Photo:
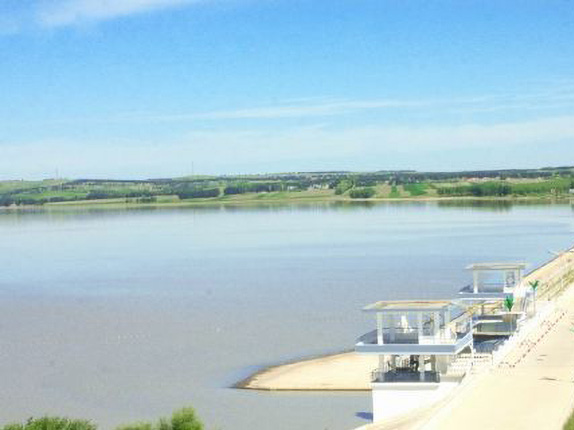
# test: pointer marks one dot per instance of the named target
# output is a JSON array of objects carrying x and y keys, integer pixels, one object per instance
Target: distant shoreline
[{"x": 121, "y": 203}]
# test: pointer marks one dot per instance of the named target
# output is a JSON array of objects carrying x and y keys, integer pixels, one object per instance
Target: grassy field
[
  {"x": 12, "y": 186},
  {"x": 416, "y": 190}
]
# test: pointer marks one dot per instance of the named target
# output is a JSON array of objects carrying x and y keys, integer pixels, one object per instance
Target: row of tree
[
  {"x": 498, "y": 188},
  {"x": 253, "y": 187},
  {"x": 183, "y": 419}
]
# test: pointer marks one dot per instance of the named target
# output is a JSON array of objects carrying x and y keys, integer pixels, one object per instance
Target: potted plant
[
  {"x": 509, "y": 304},
  {"x": 534, "y": 285}
]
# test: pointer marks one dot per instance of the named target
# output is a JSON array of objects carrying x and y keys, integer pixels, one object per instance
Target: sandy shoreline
[{"x": 346, "y": 371}]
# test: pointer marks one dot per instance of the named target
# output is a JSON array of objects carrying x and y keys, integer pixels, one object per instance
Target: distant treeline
[
  {"x": 546, "y": 181},
  {"x": 498, "y": 188}
]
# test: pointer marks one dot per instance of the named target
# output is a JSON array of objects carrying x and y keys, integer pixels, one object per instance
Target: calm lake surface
[{"x": 126, "y": 315}]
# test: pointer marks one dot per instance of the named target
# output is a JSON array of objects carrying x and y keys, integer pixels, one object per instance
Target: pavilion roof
[
  {"x": 497, "y": 266},
  {"x": 408, "y": 306}
]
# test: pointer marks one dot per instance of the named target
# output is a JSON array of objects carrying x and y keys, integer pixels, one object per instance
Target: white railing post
[{"x": 380, "y": 329}]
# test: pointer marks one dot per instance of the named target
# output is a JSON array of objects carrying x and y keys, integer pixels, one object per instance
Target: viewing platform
[
  {"x": 416, "y": 327},
  {"x": 493, "y": 281},
  {"x": 496, "y": 324},
  {"x": 418, "y": 344}
]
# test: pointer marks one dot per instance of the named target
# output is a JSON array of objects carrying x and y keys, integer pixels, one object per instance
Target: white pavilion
[
  {"x": 493, "y": 284},
  {"x": 418, "y": 343}
]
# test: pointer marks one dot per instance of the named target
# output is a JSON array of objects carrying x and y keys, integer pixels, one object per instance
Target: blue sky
[{"x": 146, "y": 88}]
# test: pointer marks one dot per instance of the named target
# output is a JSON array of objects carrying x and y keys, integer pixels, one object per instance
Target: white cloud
[
  {"x": 70, "y": 12},
  {"x": 321, "y": 140},
  {"x": 292, "y": 110},
  {"x": 304, "y": 108},
  {"x": 537, "y": 142}
]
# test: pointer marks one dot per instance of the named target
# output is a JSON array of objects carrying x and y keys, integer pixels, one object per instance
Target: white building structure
[
  {"x": 494, "y": 281},
  {"x": 418, "y": 343},
  {"x": 493, "y": 284}
]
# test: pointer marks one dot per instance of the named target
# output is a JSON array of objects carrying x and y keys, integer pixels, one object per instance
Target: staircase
[{"x": 464, "y": 363}]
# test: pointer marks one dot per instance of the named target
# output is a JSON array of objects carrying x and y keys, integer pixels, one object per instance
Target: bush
[
  {"x": 415, "y": 189},
  {"x": 182, "y": 419},
  {"x": 343, "y": 186},
  {"x": 484, "y": 189},
  {"x": 116, "y": 194},
  {"x": 147, "y": 200},
  {"x": 362, "y": 193},
  {"x": 52, "y": 423},
  {"x": 253, "y": 187},
  {"x": 194, "y": 193},
  {"x": 185, "y": 419},
  {"x": 136, "y": 426}
]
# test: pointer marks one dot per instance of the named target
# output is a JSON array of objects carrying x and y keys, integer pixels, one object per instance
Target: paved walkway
[{"x": 534, "y": 391}]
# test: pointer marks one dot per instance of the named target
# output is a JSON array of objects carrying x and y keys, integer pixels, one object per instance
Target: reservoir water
[{"x": 126, "y": 315}]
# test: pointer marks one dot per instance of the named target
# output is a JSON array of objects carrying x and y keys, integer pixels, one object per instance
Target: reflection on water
[
  {"x": 483, "y": 205},
  {"x": 68, "y": 211},
  {"x": 120, "y": 315},
  {"x": 500, "y": 205}
]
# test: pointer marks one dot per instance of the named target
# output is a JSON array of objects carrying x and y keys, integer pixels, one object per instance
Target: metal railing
[
  {"x": 411, "y": 336},
  {"x": 499, "y": 327},
  {"x": 489, "y": 287},
  {"x": 404, "y": 375}
]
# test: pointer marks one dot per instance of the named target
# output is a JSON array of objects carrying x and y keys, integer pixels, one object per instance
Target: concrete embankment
[{"x": 532, "y": 388}]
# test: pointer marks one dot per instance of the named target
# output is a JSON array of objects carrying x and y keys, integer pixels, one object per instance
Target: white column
[
  {"x": 380, "y": 330},
  {"x": 447, "y": 322},
  {"x": 420, "y": 324},
  {"x": 436, "y": 323},
  {"x": 475, "y": 281},
  {"x": 422, "y": 367},
  {"x": 392, "y": 327}
]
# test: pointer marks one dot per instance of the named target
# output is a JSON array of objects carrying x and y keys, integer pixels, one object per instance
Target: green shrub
[
  {"x": 343, "y": 186},
  {"x": 182, "y": 419},
  {"x": 194, "y": 193},
  {"x": 52, "y": 423},
  {"x": 362, "y": 193},
  {"x": 416, "y": 189},
  {"x": 553, "y": 186},
  {"x": 253, "y": 187},
  {"x": 136, "y": 426},
  {"x": 185, "y": 419}
]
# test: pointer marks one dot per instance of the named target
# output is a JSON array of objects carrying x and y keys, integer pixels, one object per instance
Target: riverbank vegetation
[
  {"x": 569, "y": 425},
  {"x": 532, "y": 183},
  {"x": 182, "y": 419}
]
